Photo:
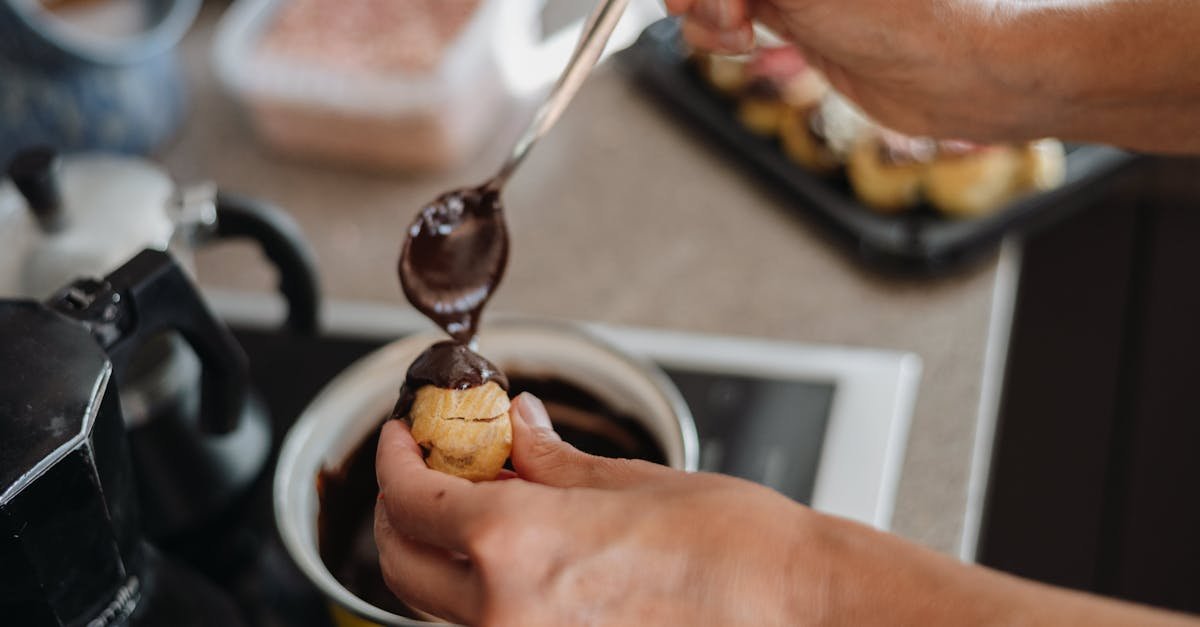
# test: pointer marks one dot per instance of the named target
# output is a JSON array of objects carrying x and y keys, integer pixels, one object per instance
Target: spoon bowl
[{"x": 454, "y": 257}]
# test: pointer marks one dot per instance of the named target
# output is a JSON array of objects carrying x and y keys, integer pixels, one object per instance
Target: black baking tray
[{"x": 921, "y": 241}]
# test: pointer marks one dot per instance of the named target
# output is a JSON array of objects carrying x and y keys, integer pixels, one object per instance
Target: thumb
[{"x": 541, "y": 456}]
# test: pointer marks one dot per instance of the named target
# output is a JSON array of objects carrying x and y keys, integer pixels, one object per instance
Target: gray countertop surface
[{"x": 624, "y": 215}]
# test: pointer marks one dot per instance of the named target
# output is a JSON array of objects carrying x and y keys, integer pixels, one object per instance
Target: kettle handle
[
  {"x": 284, "y": 245},
  {"x": 151, "y": 295}
]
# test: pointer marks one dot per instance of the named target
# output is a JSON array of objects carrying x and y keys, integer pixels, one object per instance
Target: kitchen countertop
[{"x": 622, "y": 215}]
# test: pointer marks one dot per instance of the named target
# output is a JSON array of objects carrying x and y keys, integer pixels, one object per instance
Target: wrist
[{"x": 880, "y": 579}]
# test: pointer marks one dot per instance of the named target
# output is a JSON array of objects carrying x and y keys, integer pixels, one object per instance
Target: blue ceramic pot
[{"x": 61, "y": 88}]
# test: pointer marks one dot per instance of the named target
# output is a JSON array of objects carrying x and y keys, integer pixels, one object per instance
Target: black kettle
[
  {"x": 72, "y": 544},
  {"x": 199, "y": 439}
]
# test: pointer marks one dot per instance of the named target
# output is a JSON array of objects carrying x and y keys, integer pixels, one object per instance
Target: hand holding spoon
[{"x": 457, "y": 248}]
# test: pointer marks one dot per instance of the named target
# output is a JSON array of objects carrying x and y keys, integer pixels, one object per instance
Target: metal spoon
[
  {"x": 457, "y": 248},
  {"x": 596, "y": 31}
]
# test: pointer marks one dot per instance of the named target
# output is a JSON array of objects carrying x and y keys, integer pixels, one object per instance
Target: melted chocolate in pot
[
  {"x": 454, "y": 257},
  {"x": 346, "y": 527}
]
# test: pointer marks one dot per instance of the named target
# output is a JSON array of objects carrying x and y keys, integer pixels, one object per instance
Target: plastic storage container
[
  {"x": 383, "y": 121},
  {"x": 393, "y": 121}
]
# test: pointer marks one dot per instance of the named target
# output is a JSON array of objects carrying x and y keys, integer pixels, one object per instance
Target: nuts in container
[{"x": 393, "y": 85}]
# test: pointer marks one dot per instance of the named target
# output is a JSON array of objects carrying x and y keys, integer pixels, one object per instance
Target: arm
[
  {"x": 581, "y": 539},
  {"x": 1118, "y": 71}
]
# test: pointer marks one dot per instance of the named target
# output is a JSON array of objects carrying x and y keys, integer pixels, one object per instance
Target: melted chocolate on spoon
[
  {"x": 448, "y": 365},
  {"x": 453, "y": 258}
]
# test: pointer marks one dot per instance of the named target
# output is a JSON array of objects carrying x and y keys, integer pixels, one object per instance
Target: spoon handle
[{"x": 596, "y": 31}]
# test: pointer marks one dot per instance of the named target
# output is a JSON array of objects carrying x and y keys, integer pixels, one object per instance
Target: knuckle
[
  {"x": 593, "y": 470},
  {"x": 546, "y": 458},
  {"x": 545, "y": 449}
]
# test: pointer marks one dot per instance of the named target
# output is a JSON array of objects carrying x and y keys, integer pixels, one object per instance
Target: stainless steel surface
[{"x": 596, "y": 31}]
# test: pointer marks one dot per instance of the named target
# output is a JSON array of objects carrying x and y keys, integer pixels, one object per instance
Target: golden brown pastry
[
  {"x": 886, "y": 170},
  {"x": 464, "y": 432},
  {"x": 762, "y": 109},
  {"x": 974, "y": 182},
  {"x": 802, "y": 144}
]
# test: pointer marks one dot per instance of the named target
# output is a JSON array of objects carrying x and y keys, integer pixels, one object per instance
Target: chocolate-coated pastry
[{"x": 456, "y": 403}]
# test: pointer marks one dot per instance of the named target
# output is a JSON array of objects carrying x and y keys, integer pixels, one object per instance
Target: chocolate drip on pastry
[{"x": 448, "y": 365}]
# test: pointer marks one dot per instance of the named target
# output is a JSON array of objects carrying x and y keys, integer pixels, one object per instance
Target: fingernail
[
  {"x": 718, "y": 13},
  {"x": 737, "y": 40},
  {"x": 533, "y": 412}
]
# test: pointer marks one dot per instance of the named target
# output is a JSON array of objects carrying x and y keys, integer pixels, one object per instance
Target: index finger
[{"x": 422, "y": 503}]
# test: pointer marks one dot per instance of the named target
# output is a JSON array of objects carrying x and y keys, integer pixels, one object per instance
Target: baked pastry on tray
[{"x": 779, "y": 94}]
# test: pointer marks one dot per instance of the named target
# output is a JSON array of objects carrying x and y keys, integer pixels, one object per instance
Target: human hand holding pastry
[
  {"x": 584, "y": 539},
  {"x": 578, "y": 539}
]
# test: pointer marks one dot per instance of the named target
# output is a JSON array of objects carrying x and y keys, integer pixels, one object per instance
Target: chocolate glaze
[
  {"x": 448, "y": 365},
  {"x": 454, "y": 257},
  {"x": 346, "y": 514}
]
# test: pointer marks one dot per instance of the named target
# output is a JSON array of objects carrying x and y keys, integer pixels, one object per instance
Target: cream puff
[
  {"x": 803, "y": 144},
  {"x": 887, "y": 169},
  {"x": 969, "y": 180},
  {"x": 456, "y": 403}
]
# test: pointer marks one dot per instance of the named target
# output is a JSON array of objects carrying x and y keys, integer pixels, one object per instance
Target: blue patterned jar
[{"x": 61, "y": 87}]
